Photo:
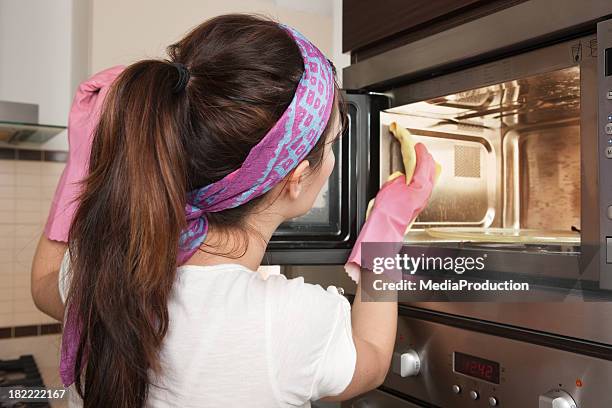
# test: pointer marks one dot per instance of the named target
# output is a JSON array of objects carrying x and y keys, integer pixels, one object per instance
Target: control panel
[
  {"x": 604, "y": 87},
  {"x": 452, "y": 367}
]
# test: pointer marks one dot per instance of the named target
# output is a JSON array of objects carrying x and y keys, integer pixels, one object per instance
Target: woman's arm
[
  {"x": 374, "y": 325},
  {"x": 84, "y": 115},
  {"x": 44, "y": 279}
]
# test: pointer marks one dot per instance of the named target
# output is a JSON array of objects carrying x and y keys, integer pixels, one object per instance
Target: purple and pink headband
[{"x": 280, "y": 151}]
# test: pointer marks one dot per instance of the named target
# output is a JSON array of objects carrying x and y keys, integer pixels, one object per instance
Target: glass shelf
[{"x": 13, "y": 133}]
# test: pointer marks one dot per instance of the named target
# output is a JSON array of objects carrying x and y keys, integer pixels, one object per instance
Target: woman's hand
[
  {"x": 396, "y": 206},
  {"x": 82, "y": 121}
]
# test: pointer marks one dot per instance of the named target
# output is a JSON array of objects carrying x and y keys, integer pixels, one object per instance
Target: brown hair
[{"x": 150, "y": 147}]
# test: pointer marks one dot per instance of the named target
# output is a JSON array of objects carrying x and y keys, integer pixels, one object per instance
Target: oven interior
[{"x": 510, "y": 157}]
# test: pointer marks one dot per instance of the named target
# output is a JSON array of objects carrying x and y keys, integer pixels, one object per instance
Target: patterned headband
[{"x": 280, "y": 151}]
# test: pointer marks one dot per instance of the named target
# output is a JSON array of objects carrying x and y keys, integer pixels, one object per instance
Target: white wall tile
[
  {"x": 27, "y": 230},
  {"x": 47, "y": 192},
  {"x": 49, "y": 179},
  {"x": 7, "y": 242},
  {"x": 7, "y": 179},
  {"x": 23, "y": 257},
  {"x": 6, "y": 294},
  {"x": 21, "y": 268},
  {"x": 6, "y": 320},
  {"x": 28, "y": 167},
  {"x": 24, "y": 306},
  {"x": 26, "y": 318},
  {"x": 7, "y": 191},
  {"x": 24, "y": 204},
  {"x": 53, "y": 168},
  {"x": 7, "y": 217},
  {"x": 6, "y": 269},
  {"x": 25, "y": 244},
  {"x": 6, "y": 229},
  {"x": 25, "y": 179},
  {"x": 6, "y": 256},
  {"x": 7, "y": 166},
  {"x": 22, "y": 293},
  {"x": 23, "y": 191},
  {"x": 7, "y": 203},
  {"x": 6, "y": 307},
  {"x": 26, "y": 217}
]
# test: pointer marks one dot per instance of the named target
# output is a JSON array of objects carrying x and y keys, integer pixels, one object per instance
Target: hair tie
[{"x": 183, "y": 78}]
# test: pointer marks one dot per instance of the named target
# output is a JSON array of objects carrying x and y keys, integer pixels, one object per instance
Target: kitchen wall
[
  {"x": 339, "y": 59},
  {"x": 124, "y": 31},
  {"x": 35, "y": 48},
  {"x": 44, "y": 55},
  {"x": 26, "y": 190}
]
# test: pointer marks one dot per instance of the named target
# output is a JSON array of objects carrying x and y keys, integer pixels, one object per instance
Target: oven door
[{"x": 326, "y": 234}]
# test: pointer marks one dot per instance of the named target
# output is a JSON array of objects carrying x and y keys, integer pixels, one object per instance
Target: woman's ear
[{"x": 295, "y": 183}]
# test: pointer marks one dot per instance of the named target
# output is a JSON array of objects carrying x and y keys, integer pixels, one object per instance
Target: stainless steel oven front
[{"x": 516, "y": 106}]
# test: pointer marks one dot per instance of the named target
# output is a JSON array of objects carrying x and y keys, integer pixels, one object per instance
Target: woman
[{"x": 194, "y": 163}]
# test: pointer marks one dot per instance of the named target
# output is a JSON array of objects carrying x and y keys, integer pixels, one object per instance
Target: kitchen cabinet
[{"x": 372, "y": 27}]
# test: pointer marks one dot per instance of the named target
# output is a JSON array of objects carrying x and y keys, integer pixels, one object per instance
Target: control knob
[
  {"x": 406, "y": 364},
  {"x": 557, "y": 399}
]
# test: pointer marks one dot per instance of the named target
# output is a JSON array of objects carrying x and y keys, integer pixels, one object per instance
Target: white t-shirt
[{"x": 237, "y": 340}]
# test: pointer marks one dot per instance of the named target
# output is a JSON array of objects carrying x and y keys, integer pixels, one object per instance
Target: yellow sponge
[
  {"x": 404, "y": 137},
  {"x": 407, "y": 143}
]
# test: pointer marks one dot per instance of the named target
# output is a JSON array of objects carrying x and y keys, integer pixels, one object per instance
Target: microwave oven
[{"x": 524, "y": 139}]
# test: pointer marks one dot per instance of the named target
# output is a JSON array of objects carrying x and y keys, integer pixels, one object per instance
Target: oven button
[
  {"x": 609, "y": 152},
  {"x": 610, "y": 212},
  {"x": 609, "y": 95},
  {"x": 407, "y": 364},
  {"x": 493, "y": 402},
  {"x": 456, "y": 389},
  {"x": 608, "y": 128},
  {"x": 474, "y": 395},
  {"x": 410, "y": 364}
]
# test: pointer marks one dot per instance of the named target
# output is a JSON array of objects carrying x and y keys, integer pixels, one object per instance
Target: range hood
[{"x": 19, "y": 126}]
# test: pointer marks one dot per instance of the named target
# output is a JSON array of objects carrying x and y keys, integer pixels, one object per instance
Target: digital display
[{"x": 476, "y": 367}]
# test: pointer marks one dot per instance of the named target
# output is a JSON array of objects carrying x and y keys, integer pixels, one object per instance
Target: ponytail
[{"x": 124, "y": 238}]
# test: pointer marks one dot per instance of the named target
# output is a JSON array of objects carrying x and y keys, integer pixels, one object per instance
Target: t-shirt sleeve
[
  {"x": 311, "y": 353},
  {"x": 63, "y": 282}
]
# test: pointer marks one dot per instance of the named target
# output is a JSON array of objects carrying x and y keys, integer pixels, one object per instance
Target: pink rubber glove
[
  {"x": 82, "y": 120},
  {"x": 396, "y": 206}
]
